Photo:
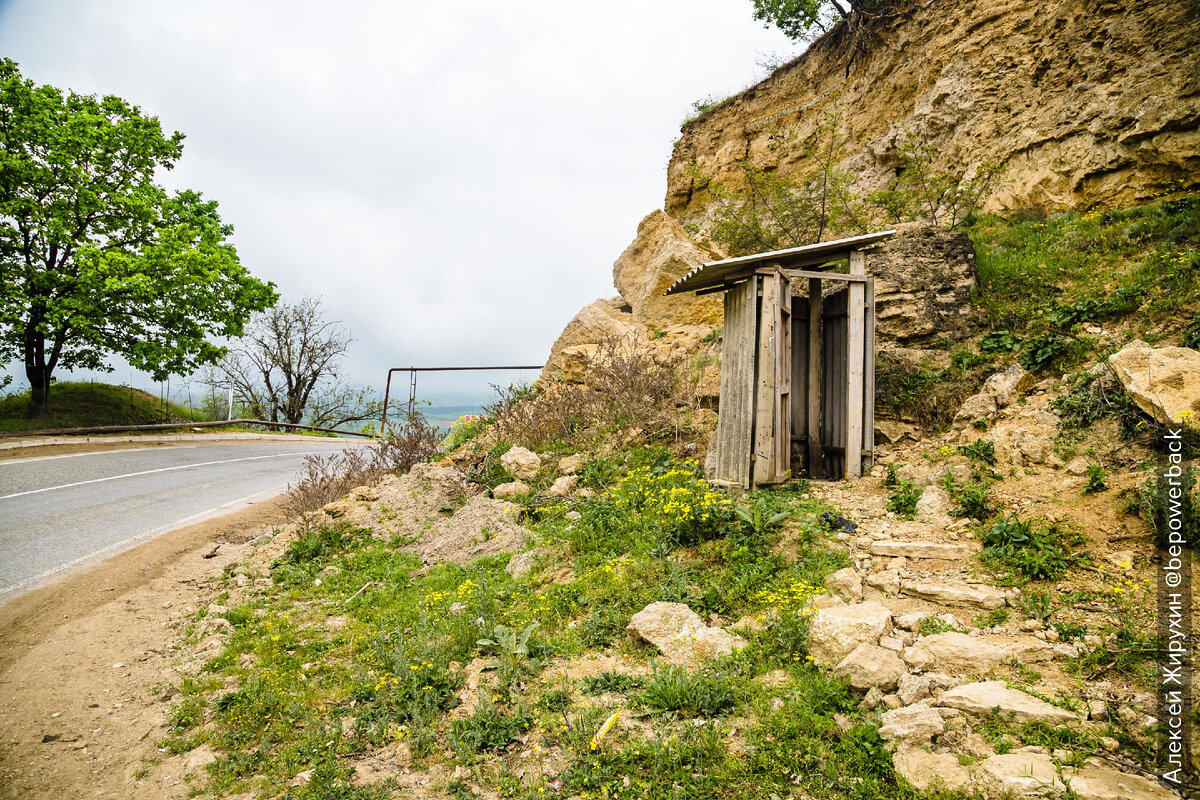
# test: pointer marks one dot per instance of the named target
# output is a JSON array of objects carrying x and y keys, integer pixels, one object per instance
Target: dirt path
[{"x": 86, "y": 676}]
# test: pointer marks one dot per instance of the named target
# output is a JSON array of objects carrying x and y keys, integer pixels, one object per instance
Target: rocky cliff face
[{"x": 1085, "y": 102}]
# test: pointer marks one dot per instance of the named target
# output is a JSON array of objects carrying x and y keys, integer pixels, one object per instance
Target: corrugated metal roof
[{"x": 716, "y": 273}]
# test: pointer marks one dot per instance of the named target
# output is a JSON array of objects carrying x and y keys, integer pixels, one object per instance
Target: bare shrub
[
  {"x": 627, "y": 386},
  {"x": 324, "y": 479}
]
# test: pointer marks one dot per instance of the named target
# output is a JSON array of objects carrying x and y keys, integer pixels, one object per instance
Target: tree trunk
[{"x": 39, "y": 392}]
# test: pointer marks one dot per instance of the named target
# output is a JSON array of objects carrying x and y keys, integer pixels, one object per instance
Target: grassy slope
[
  {"x": 1046, "y": 284},
  {"x": 87, "y": 404},
  {"x": 293, "y": 693}
]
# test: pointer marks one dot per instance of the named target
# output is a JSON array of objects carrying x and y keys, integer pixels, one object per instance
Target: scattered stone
[
  {"x": 913, "y": 725},
  {"x": 521, "y": 463},
  {"x": 926, "y": 770},
  {"x": 948, "y": 552},
  {"x": 912, "y": 688},
  {"x": 563, "y": 486},
  {"x": 965, "y": 655},
  {"x": 1008, "y": 386},
  {"x": 988, "y": 598},
  {"x": 835, "y": 632},
  {"x": 1099, "y": 783},
  {"x": 886, "y": 581},
  {"x": 1098, "y": 710},
  {"x": 934, "y": 505},
  {"x": 910, "y": 622},
  {"x": 976, "y": 407},
  {"x": 364, "y": 494},
  {"x": 570, "y": 465},
  {"x": 1022, "y": 773},
  {"x": 846, "y": 582},
  {"x": 872, "y": 699},
  {"x": 870, "y": 665},
  {"x": 520, "y": 565},
  {"x": 512, "y": 491},
  {"x": 680, "y": 635},
  {"x": 1163, "y": 381},
  {"x": 983, "y": 696}
]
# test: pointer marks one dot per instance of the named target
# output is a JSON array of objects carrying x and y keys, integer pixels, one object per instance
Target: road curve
[{"x": 59, "y": 512}]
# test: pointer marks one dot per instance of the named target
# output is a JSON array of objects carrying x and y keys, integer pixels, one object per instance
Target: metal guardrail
[
  {"x": 412, "y": 383},
  {"x": 167, "y": 426}
]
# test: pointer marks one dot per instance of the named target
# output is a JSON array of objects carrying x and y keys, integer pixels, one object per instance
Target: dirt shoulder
[{"x": 86, "y": 663}]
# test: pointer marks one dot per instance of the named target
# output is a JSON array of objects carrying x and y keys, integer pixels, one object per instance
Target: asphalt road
[{"x": 59, "y": 512}]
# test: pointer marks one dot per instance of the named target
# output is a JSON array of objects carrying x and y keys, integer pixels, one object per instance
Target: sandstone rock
[
  {"x": 913, "y": 726},
  {"x": 338, "y": 508},
  {"x": 846, "y": 582},
  {"x": 926, "y": 770},
  {"x": 948, "y": 552},
  {"x": 923, "y": 282},
  {"x": 662, "y": 253},
  {"x": 1056, "y": 115},
  {"x": 965, "y": 655},
  {"x": 835, "y": 632},
  {"x": 521, "y": 463},
  {"x": 1028, "y": 438},
  {"x": 600, "y": 320},
  {"x": 563, "y": 486},
  {"x": 1163, "y": 381},
  {"x": 957, "y": 594},
  {"x": 894, "y": 432},
  {"x": 934, "y": 506},
  {"x": 870, "y": 665},
  {"x": 1008, "y": 386},
  {"x": 512, "y": 490},
  {"x": 981, "y": 697},
  {"x": 910, "y": 622},
  {"x": 976, "y": 407},
  {"x": 680, "y": 635},
  {"x": 886, "y": 581},
  {"x": 1099, "y": 783},
  {"x": 520, "y": 565},
  {"x": 912, "y": 688},
  {"x": 570, "y": 465},
  {"x": 366, "y": 494},
  {"x": 1023, "y": 773}
]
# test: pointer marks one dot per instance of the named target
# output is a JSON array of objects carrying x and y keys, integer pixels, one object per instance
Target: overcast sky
[{"x": 454, "y": 179}]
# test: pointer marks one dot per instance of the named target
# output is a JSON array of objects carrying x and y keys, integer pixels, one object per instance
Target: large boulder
[
  {"x": 926, "y": 770},
  {"x": 1008, "y": 386},
  {"x": 595, "y": 322},
  {"x": 680, "y": 635},
  {"x": 662, "y": 253},
  {"x": 835, "y": 632},
  {"x": 1163, "y": 381}
]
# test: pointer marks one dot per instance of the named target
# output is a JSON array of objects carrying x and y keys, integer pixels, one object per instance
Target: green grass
[
  {"x": 1041, "y": 277},
  {"x": 78, "y": 404},
  {"x": 291, "y": 693}
]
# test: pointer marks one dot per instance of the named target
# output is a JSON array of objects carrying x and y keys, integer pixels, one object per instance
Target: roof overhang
[{"x": 714, "y": 274}]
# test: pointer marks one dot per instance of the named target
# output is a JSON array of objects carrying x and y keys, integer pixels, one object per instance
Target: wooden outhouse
[{"x": 797, "y": 361}]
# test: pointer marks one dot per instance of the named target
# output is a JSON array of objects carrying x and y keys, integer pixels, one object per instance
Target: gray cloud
[{"x": 455, "y": 179}]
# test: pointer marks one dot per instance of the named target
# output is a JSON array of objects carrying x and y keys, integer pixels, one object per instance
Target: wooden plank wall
[
  {"x": 856, "y": 323},
  {"x": 735, "y": 420},
  {"x": 834, "y": 380},
  {"x": 782, "y": 434},
  {"x": 764, "y": 409}
]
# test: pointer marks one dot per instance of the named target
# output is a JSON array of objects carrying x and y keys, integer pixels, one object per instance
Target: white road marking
[
  {"x": 233, "y": 505},
  {"x": 152, "y": 472},
  {"x": 98, "y": 453}
]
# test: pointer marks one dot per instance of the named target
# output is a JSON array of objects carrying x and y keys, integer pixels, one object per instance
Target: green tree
[
  {"x": 806, "y": 19},
  {"x": 95, "y": 257}
]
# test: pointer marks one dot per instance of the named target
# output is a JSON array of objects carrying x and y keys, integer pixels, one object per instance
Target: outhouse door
[{"x": 754, "y": 424}]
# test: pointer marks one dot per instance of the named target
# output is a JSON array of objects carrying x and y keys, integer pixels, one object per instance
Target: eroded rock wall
[{"x": 1085, "y": 102}]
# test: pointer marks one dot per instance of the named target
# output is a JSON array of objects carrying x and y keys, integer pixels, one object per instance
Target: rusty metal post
[{"x": 412, "y": 384}]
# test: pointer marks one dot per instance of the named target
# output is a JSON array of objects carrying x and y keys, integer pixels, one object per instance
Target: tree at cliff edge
[
  {"x": 95, "y": 257},
  {"x": 807, "y": 19}
]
